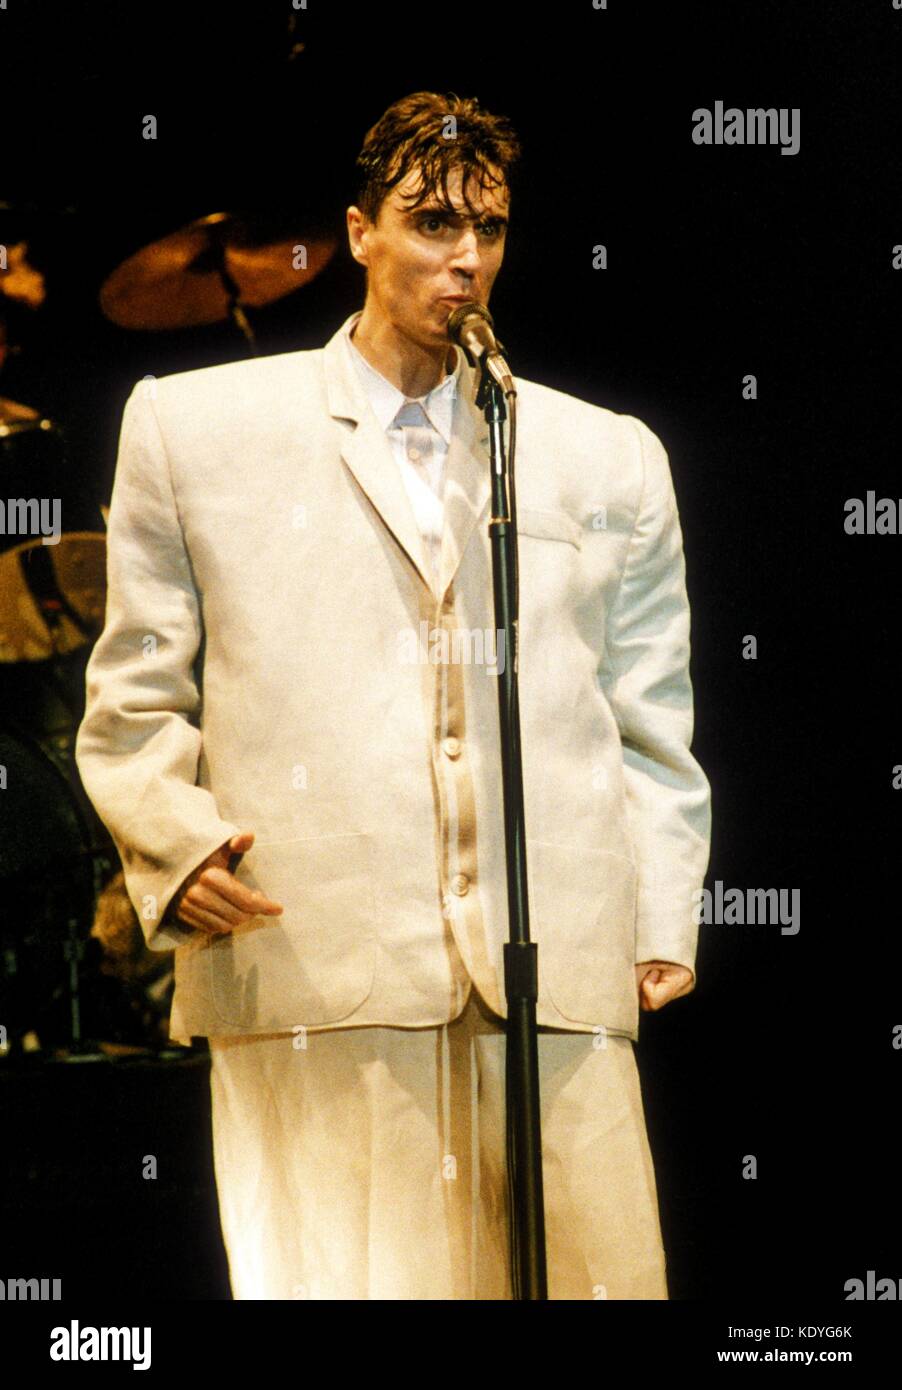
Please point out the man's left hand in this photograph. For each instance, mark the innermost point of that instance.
(659, 981)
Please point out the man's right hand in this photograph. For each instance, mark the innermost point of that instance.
(213, 901)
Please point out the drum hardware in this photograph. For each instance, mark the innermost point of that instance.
(214, 268)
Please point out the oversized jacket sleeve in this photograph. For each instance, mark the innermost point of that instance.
(138, 746)
(645, 677)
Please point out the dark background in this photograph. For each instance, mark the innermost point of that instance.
(722, 262)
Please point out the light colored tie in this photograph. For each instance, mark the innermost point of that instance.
(419, 439)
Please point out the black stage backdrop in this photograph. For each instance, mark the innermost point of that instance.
(721, 262)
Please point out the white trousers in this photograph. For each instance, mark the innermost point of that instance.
(370, 1164)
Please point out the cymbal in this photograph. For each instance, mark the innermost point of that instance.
(52, 597)
(194, 275)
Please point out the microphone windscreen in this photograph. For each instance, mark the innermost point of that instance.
(458, 317)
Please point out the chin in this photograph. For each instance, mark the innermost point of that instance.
(437, 334)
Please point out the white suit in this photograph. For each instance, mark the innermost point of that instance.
(280, 655)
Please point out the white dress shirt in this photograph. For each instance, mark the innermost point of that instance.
(419, 431)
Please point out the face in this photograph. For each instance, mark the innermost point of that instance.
(417, 257)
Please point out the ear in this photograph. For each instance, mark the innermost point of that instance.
(357, 230)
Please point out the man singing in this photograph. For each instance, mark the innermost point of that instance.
(292, 733)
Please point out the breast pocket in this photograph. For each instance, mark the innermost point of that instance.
(548, 525)
(314, 964)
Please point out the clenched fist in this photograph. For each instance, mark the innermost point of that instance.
(659, 981)
(213, 901)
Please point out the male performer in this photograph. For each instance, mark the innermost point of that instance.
(292, 733)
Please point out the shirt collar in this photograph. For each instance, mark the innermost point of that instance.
(387, 400)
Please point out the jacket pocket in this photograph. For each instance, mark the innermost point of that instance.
(548, 525)
(582, 911)
(315, 963)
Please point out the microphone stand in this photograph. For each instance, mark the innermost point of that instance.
(523, 1117)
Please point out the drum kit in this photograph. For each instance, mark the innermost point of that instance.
(76, 980)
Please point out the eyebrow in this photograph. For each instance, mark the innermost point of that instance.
(437, 210)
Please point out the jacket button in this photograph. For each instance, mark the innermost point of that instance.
(460, 884)
(451, 747)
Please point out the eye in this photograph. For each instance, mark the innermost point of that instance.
(489, 228)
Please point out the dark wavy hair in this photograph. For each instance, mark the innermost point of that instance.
(410, 135)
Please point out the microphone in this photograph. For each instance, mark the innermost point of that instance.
(471, 326)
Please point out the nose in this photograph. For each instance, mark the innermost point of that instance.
(466, 253)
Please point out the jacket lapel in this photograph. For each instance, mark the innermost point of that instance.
(366, 450)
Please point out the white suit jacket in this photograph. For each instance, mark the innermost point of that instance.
(276, 658)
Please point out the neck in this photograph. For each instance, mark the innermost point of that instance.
(413, 368)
